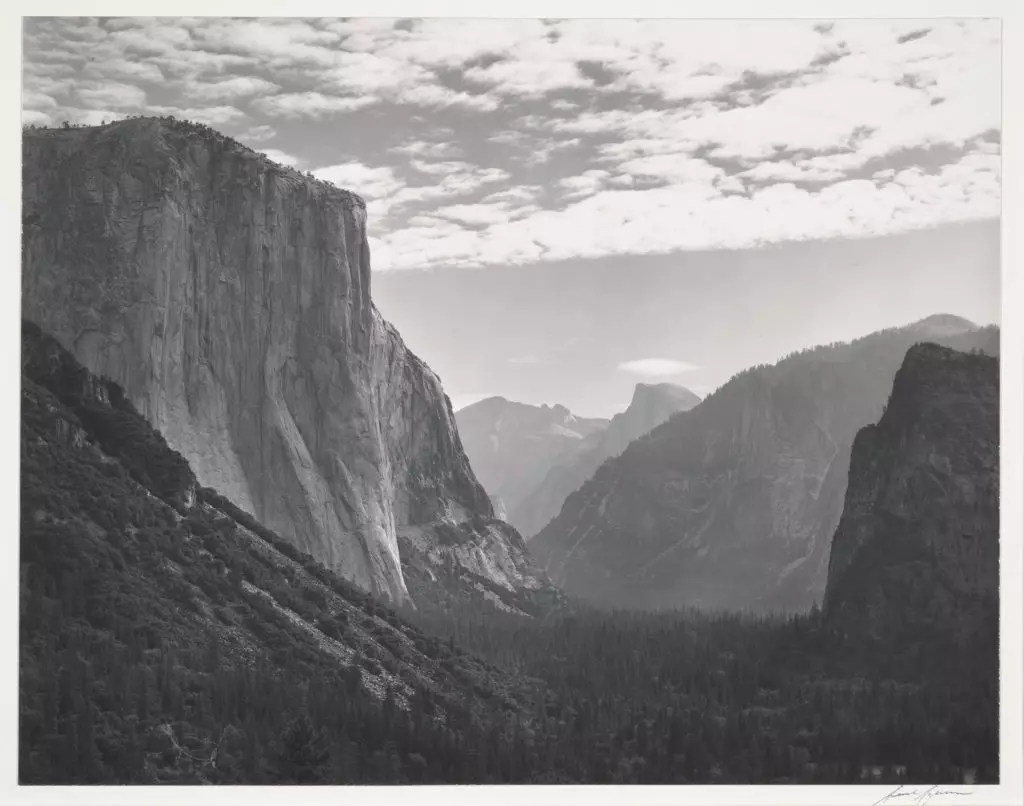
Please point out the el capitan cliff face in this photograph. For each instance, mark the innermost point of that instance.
(230, 297)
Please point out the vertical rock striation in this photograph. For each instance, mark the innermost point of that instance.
(230, 297)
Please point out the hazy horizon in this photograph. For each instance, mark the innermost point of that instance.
(583, 333)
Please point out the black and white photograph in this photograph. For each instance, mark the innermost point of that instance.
(523, 402)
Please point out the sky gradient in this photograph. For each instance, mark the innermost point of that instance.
(558, 209)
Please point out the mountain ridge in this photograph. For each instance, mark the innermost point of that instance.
(917, 546)
(549, 451)
(732, 504)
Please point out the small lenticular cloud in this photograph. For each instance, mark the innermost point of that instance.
(656, 367)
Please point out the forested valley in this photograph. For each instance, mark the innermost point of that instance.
(166, 637)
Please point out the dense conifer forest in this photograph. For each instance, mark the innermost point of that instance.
(166, 637)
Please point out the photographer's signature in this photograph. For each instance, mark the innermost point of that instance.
(917, 795)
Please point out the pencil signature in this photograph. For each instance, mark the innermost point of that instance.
(918, 795)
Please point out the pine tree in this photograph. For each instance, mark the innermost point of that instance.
(302, 753)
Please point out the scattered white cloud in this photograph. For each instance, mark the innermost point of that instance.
(258, 134)
(310, 104)
(120, 68)
(530, 140)
(699, 216)
(586, 184)
(283, 158)
(111, 95)
(37, 100)
(229, 88)
(370, 183)
(672, 168)
(456, 183)
(656, 367)
(525, 193)
(542, 151)
(435, 97)
(630, 149)
(528, 75)
(509, 138)
(424, 148)
(478, 214)
(439, 168)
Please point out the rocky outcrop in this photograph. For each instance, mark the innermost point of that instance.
(530, 458)
(652, 405)
(230, 298)
(917, 548)
(511, 446)
(733, 504)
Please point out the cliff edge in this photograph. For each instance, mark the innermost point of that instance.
(230, 297)
(917, 548)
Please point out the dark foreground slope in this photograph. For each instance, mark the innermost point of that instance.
(915, 560)
(168, 637)
(733, 504)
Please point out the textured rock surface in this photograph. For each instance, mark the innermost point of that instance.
(733, 504)
(530, 458)
(918, 542)
(511, 446)
(652, 405)
(230, 297)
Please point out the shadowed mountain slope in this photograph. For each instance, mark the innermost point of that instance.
(733, 504)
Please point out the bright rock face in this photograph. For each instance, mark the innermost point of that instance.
(512, 446)
(652, 405)
(733, 504)
(530, 458)
(917, 547)
(230, 297)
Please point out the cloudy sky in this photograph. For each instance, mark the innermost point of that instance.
(555, 204)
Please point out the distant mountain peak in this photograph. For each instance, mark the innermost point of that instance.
(943, 324)
(493, 402)
(672, 391)
(731, 505)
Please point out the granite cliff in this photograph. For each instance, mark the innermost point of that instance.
(511, 445)
(530, 458)
(917, 548)
(733, 504)
(230, 298)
